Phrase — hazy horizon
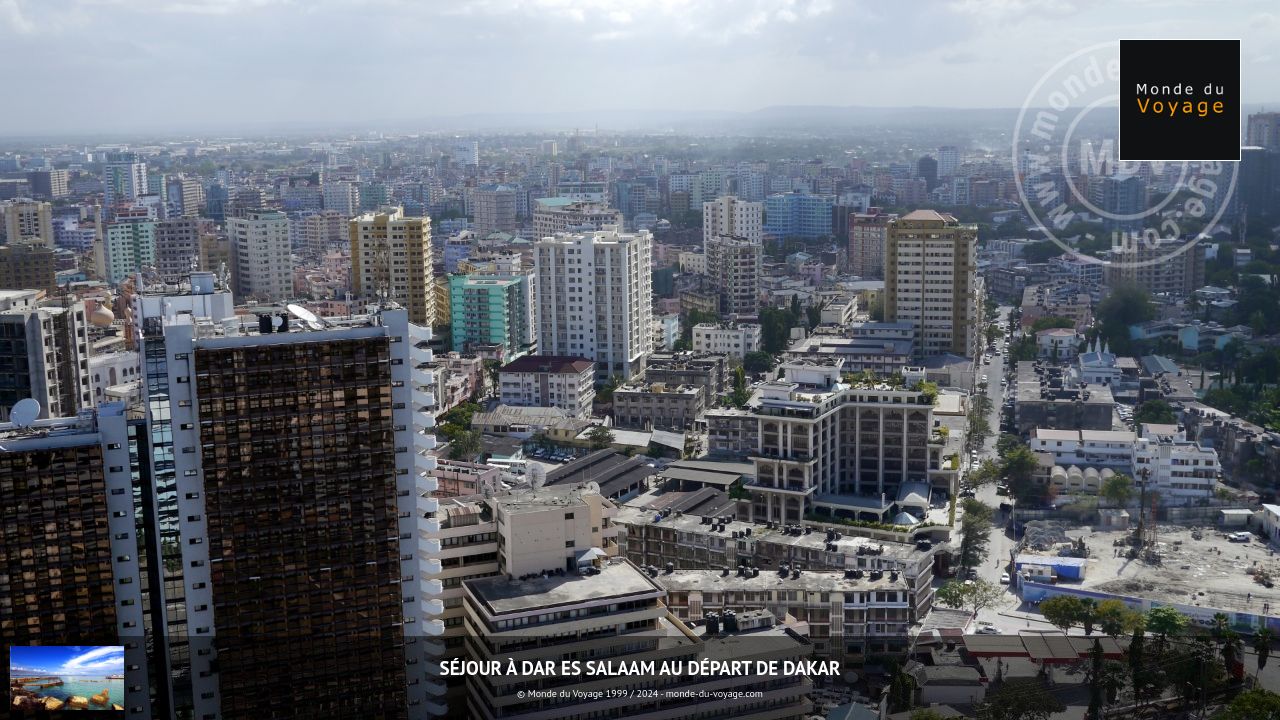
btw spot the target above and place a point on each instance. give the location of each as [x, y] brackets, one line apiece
[146, 66]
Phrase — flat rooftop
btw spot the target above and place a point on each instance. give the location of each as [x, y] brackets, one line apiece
[770, 579]
[617, 580]
[1209, 572]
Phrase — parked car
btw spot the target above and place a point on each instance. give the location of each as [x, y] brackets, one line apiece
[1004, 578]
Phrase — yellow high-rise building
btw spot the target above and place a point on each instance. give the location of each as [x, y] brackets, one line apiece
[931, 280]
[391, 259]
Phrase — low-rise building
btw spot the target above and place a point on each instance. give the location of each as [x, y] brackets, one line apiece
[549, 381]
[726, 339]
[1045, 398]
[1057, 343]
[709, 371]
[1174, 466]
[661, 406]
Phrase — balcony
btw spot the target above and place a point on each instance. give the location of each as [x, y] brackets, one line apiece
[424, 440]
[431, 566]
[431, 587]
[435, 687]
[421, 355]
[424, 398]
[419, 333]
[423, 376]
[427, 504]
[431, 526]
[428, 483]
[432, 647]
[435, 709]
[430, 546]
[426, 463]
[434, 606]
[433, 628]
[424, 420]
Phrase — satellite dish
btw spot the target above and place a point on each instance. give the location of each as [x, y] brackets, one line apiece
[277, 321]
[25, 412]
[307, 317]
[591, 488]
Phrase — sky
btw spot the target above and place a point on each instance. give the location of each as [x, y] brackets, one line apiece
[68, 660]
[147, 65]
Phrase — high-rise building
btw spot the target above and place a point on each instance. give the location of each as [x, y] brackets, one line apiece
[1122, 200]
[378, 242]
[184, 196]
[466, 152]
[567, 383]
[948, 161]
[127, 248]
[1264, 131]
[1160, 267]
[868, 233]
[71, 560]
[45, 355]
[494, 209]
[177, 247]
[734, 266]
[27, 221]
[927, 168]
[931, 281]
[797, 214]
[342, 197]
[28, 267]
[49, 184]
[489, 315]
[291, 483]
[124, 178]
[322, 230]
[1258, 183]
[727, 215]
[595, 299]
[557, 215]
[262, 265]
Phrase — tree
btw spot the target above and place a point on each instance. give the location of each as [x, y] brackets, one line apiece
[1256, 704]
[1020, 699]
[1118, 489]
[739, 396]
[1018, 468]
[1115, 618]
[987, 472]
[876, 309]
[1165, 622]
[465, 445]
[1154, 411]
[975, 594]
[1262, 646]
[1127, 304]
[1137, 660]
[600, 437]
[925, 714]
[975, 532]
[1063, 611]
[1050, 322]
[757, 362]
[605, 393]
[1006, 443]
[901, 690]
[1097, 694]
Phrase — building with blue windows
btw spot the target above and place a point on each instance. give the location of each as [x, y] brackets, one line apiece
[797, 214]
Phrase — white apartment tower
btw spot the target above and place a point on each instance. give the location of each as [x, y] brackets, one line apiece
[727, 215]
[262, 266]
[595, 295]
[343, 197]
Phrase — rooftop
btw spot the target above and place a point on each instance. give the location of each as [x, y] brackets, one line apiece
[617, 580]
[548, 363]
[770, 579]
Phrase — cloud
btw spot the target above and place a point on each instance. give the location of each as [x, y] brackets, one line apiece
[104, 660]
[12, 17]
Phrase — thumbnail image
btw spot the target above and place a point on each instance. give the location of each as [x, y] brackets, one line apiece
[52, 678]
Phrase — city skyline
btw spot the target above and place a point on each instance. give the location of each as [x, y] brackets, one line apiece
[214, 62]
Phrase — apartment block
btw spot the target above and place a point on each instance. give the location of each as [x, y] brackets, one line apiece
[49, 184]
[1160, 268]
[489, 315]
[494, 209]
[734, 266]
[931, 281]
[727, 216]
[595, 299]
[28, 267]
[27, 221]
[391, 258]
[726, 339]
[559, 215]
[549, 381]
[177, 248]
[44, 354]
[262, 264]
[868, 236]
[658, 406]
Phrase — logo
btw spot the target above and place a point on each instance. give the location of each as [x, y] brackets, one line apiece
[1082, 196]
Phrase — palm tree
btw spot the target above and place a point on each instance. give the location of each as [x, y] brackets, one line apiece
[1232, 649]
[1262, 645]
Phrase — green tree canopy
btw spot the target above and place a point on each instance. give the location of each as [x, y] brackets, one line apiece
[975, 532]
[1166, 622]
[600, 437]
[1154, 411]
[1020, 699]
[1127, 304]
[1118, 489]
[971, 594]
[1063, 611]
[757, 362]
[1256, 704]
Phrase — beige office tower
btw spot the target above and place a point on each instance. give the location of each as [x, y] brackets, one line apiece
[28, 222]
[729, 216]
[931, 281]
[262, 264]
[595, 299]
[734, 265]
[391, 258]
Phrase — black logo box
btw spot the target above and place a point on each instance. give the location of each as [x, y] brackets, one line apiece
[1187, 65]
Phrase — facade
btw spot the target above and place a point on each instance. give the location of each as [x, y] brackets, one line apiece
[490, 313]
[558, 215]
[734, 265]
[177, 248]
[124, 178]
[342, 198]
[727, 216]
[49, 184]
[732, 340]
[378, 240]
[494, 209]
[595, 299]
[704, 370]
[27, 221]
[262, 266]
[322, 230]
[1264, 131]
[1118, 196]
[931, 281]
[185, 196]
[567, 383]
[28, 267]
[658, 406]
[1086, 448]
[1175, 467]
[868, 235]
[295, 538]
[45, 356]
[71, 561]
[796, 214]
[128, 247]
[1154, 267]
